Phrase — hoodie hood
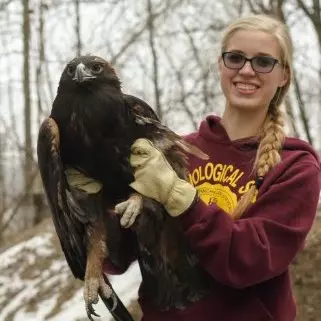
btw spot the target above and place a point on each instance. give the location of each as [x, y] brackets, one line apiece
[211, 129]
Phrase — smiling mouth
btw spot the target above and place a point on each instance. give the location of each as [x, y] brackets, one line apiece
[246, 88]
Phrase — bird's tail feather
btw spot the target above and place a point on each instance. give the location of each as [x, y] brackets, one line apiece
[120, 312]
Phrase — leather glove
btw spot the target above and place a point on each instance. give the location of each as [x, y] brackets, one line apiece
[77, 179]
[156, 179]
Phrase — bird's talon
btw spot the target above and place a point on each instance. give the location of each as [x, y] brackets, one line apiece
[129, 210]
[95, 314]
[93, 286]
[91, 311]
[113, 296]
[89, 316]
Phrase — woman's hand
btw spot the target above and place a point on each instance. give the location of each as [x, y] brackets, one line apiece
[156, 179]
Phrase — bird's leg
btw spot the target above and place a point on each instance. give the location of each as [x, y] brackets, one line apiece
[94, 280]
[129, 209]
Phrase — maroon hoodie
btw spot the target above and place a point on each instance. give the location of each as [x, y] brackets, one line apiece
[248, 259]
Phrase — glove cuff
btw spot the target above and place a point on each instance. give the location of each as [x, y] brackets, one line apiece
[181, 197]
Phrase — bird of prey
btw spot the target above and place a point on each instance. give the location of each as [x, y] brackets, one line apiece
[91, 128]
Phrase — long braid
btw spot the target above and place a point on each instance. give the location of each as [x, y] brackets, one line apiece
[268, 154]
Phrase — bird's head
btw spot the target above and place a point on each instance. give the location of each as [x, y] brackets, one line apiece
[90, 70]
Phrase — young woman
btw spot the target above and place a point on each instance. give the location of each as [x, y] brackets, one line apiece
[247, 210]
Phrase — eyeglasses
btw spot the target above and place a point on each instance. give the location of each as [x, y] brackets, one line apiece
[261, 64]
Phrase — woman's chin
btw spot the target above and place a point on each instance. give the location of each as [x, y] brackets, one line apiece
[250, 104]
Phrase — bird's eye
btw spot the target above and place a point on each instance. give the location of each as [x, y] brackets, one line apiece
[97, 68]
[70, 70]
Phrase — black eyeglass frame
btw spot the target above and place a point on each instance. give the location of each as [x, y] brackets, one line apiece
[275, 61]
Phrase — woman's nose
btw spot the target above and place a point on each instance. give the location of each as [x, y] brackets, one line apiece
[247, 69]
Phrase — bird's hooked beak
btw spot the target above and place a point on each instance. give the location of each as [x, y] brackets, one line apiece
[82, 74]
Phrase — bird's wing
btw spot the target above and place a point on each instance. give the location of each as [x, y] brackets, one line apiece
[70, 211]
[140, 107]
[163, 136]
[68, 216]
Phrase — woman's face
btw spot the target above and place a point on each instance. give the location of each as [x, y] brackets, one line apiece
[246, 88]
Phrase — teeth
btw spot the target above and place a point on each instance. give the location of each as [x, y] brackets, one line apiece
[245, 86]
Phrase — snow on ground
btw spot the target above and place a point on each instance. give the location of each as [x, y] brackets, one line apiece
[36, 284]
[126, 287]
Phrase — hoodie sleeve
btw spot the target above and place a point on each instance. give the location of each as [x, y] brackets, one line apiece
[261, 245]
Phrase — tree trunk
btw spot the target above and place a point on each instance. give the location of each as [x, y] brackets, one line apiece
[155, 71]
[28, 159]
[77, 28]
[41, 54]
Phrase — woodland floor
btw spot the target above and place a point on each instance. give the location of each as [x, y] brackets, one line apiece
[306, 275]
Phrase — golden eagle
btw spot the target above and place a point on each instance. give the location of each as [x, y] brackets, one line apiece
[91, 128]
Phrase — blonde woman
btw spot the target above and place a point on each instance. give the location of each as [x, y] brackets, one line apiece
[245, 212]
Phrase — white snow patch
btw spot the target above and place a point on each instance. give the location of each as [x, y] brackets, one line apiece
[126, 285]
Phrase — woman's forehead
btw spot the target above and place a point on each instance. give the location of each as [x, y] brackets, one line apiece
[253, 42]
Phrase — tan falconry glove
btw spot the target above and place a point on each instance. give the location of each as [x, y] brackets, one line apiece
[156, 179]
[77, 179]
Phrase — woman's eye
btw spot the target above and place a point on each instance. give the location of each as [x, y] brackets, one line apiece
[235, 57]
[264, 61]
[97, 68]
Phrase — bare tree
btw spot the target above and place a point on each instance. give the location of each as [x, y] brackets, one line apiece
[155, 69]
[77, 28]
[26, 87]
[39, 69]
[274, 7]
[314, 14]
[2, 182]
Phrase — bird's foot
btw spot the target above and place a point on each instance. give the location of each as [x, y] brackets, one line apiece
[129, 209]
[93, 287]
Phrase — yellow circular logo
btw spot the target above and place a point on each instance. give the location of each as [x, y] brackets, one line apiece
[221, 195]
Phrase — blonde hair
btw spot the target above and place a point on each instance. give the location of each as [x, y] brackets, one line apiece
[272, 132]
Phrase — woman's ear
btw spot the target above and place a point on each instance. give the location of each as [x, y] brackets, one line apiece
[284, 77]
